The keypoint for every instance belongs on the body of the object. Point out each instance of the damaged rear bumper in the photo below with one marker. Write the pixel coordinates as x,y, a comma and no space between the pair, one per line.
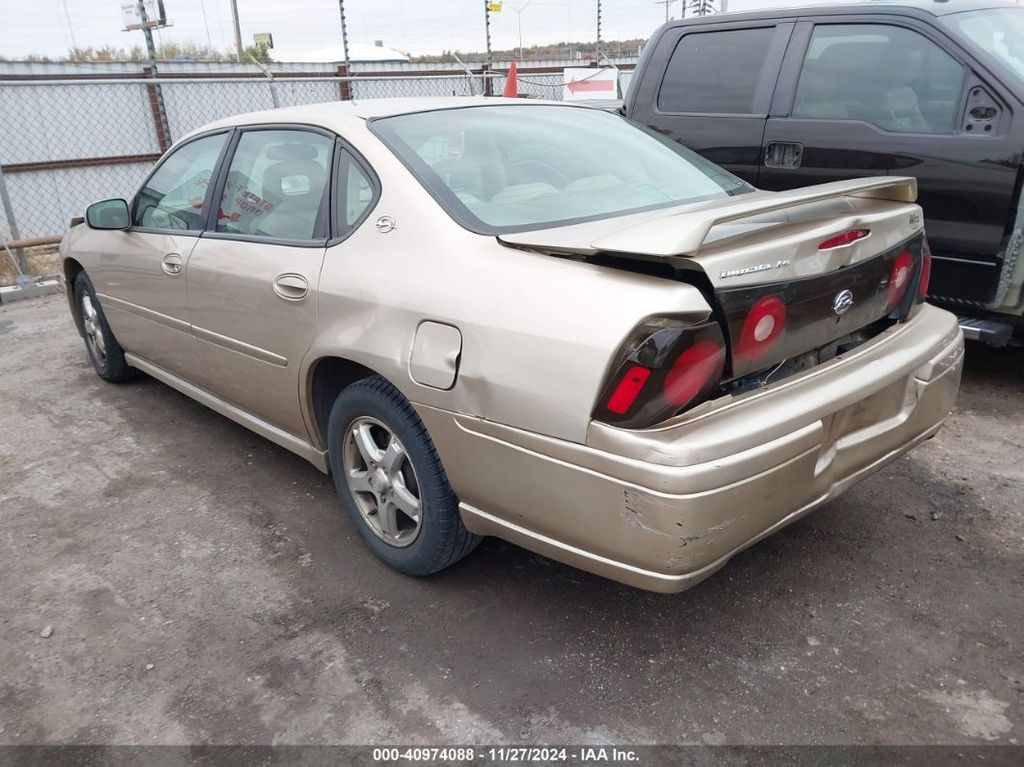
663,508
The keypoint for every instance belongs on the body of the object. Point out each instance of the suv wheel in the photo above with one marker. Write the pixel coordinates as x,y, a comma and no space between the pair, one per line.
390,479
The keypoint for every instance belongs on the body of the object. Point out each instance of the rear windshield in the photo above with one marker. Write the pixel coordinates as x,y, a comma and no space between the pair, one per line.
518,167
997,31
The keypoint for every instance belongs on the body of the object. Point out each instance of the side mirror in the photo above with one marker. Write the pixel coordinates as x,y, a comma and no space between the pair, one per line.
108,214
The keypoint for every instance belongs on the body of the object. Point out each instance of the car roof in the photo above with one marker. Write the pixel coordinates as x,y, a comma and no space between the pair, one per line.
336,115
915,7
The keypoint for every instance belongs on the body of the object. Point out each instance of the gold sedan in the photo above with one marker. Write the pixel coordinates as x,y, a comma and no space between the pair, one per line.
525,319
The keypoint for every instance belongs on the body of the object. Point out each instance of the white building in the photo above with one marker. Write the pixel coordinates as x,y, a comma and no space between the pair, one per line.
357,53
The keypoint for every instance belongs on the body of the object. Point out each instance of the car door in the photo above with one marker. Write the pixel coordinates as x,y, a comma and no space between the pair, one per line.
253,275
876,95
141,281
709,87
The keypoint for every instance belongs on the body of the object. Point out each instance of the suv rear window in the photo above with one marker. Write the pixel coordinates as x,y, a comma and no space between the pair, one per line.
715,72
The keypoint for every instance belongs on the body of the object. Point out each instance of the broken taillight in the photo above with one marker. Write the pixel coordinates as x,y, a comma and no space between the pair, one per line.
663,367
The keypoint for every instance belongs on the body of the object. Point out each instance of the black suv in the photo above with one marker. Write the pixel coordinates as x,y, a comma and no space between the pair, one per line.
791,97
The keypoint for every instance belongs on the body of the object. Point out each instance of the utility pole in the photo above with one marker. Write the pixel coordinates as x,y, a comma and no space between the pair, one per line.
487,30
239,49
597,49
156,92
344,36
148,34
490,60
668,4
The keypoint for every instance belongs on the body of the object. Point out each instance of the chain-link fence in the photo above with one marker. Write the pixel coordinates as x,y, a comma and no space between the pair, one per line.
68,142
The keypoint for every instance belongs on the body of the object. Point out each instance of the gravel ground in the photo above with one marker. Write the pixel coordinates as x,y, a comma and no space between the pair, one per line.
199,584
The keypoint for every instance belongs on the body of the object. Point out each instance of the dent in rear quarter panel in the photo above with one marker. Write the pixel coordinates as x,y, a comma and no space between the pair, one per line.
538,331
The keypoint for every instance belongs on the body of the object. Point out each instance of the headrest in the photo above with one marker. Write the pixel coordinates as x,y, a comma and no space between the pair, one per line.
291,151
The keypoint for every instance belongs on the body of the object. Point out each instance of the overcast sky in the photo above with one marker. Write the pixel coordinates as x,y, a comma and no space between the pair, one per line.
51,27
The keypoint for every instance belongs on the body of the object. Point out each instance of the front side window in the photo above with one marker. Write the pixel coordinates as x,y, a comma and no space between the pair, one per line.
276,184
997,31
172,197
514,168
716,72
888,76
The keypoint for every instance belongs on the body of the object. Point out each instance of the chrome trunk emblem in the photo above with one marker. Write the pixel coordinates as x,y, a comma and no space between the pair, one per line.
843,302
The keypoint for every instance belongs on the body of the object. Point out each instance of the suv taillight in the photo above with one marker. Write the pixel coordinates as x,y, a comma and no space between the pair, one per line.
663,367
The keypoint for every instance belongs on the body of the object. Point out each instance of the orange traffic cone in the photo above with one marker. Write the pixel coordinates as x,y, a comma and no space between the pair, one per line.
511,85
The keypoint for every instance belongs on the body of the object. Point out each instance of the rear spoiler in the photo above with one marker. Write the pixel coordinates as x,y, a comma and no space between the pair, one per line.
683,234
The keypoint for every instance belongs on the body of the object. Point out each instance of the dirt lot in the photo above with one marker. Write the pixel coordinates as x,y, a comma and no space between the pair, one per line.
202,586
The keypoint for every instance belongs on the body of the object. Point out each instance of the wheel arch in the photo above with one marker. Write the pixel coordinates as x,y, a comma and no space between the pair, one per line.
328,376
72,268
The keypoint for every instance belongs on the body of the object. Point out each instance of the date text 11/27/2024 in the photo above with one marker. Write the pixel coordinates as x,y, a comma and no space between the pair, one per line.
588,754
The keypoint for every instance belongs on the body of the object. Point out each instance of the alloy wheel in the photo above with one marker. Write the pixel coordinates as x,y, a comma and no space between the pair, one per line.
93,330
382,481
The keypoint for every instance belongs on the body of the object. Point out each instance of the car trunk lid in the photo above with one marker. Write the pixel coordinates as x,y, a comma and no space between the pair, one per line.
781,284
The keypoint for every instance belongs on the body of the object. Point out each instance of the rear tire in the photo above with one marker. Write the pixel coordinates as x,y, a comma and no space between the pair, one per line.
391,482
104,351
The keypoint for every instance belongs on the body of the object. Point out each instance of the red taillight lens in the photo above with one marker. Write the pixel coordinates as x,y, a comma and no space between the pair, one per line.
692,370
844,239
664,366
899,277
629,387
762,327
926,272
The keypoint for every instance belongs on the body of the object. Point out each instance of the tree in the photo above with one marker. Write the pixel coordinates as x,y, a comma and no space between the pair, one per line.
259,52
170,51
106,53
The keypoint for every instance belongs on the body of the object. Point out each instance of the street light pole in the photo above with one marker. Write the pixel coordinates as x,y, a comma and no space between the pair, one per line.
519,11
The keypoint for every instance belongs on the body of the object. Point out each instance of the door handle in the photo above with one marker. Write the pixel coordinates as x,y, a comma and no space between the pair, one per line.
291,287
783,154
172,264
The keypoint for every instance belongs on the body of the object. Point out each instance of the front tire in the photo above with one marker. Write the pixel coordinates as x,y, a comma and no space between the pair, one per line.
391,482
104,351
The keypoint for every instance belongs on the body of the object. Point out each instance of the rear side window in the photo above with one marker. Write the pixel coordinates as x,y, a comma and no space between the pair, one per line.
888,76
715,72
276,184
172,197
356,193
